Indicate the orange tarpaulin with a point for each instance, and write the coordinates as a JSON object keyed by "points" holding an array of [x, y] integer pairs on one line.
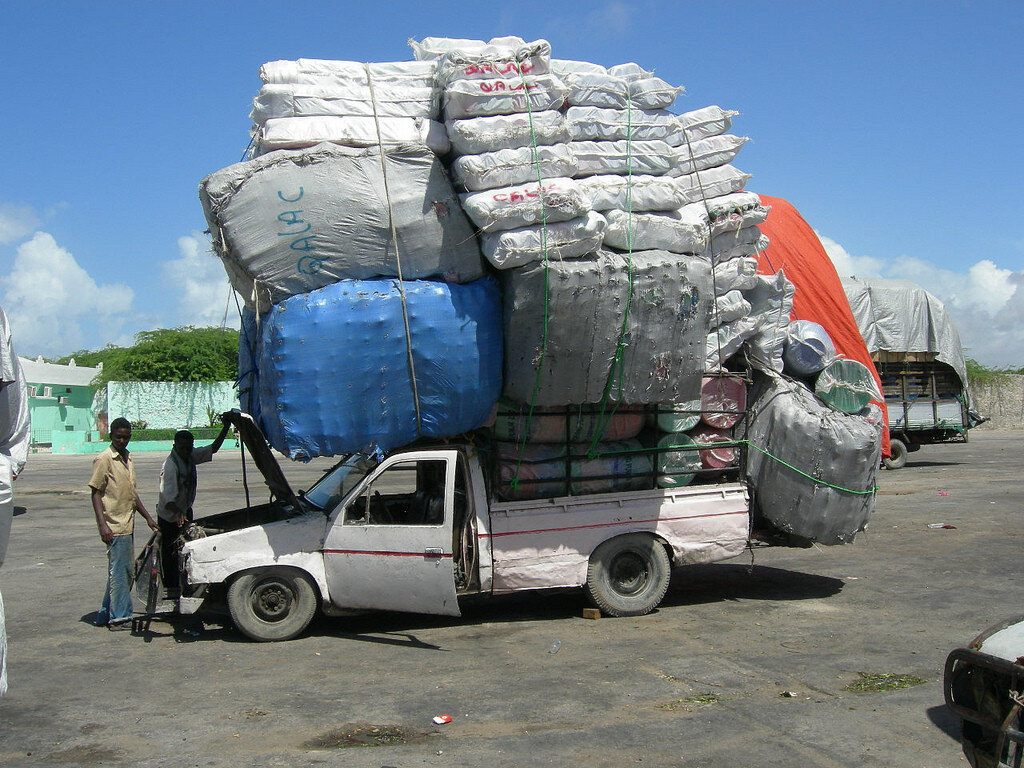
{"points": [[819, 297]]}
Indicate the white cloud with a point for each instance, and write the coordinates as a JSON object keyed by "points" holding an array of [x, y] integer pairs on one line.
{"points": [[199, 282], [847, 265], [55, 306], [985, 301], [16, 222]]}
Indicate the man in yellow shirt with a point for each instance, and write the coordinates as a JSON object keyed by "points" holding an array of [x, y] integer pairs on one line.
{"points": [[114, 502]]}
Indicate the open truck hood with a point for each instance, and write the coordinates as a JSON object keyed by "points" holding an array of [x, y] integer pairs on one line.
{"points": [[256, 444]]}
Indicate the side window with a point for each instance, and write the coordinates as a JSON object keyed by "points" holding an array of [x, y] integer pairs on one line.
{"points": [[406, 493]]}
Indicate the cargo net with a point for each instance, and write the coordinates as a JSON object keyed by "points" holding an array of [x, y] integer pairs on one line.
{"points": [[588, 449]]}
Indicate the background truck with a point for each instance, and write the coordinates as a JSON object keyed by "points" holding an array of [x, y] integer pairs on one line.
{"points": [[420, 528], [916, 349]]}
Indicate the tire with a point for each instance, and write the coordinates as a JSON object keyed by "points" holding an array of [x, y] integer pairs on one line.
{"points": [[898, 460], [272, 604], [628, 575]]}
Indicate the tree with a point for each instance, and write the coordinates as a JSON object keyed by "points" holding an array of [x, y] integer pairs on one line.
{"points": [[168, 354]]}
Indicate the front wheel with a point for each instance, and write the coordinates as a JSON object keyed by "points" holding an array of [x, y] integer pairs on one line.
{"points": [[272, 604], [628, 575], [898, 454]]}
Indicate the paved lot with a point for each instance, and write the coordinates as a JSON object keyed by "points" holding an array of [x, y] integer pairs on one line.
{"points": [[699, 683]]}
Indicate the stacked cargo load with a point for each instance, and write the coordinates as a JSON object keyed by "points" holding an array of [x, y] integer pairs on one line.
{"points": [[415, 240]]}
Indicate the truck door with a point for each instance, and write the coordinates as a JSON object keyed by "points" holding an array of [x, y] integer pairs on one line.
{"points": [[390, 546]]}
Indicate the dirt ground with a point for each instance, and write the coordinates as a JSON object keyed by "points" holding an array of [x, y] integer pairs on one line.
{"points": [[747, 663]]}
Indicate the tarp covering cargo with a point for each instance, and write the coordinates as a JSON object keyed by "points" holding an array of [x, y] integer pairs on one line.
{"points": [[839, 453], [567, 322], [333, 372], [900, 316], [795, 248], [293, 221]]}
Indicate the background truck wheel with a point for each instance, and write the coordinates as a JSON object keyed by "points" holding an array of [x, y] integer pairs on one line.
{"points": [[628, 575], [898, 460], [274, 604]]}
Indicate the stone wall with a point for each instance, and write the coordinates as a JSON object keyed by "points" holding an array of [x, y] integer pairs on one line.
{"points": [[1001, 399]]}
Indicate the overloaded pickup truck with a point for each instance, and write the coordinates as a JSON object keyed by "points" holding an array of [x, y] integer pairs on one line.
{"points": [[420, 528]]}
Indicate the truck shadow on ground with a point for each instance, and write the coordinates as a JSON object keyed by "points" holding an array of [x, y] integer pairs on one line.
{"points": [[691, 585]]}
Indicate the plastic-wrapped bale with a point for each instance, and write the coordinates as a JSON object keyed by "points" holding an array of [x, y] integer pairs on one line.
{"points": [[847, 386], [599, 124], [412, 74], [382, 99], [480, 98], [574, 424], [539, 471], [477, 135], [631, 193], [510, 248], [841, 453], [682, 231], [808, 349], [332, 373], [524, 205], [566, 322], [595, 158], [697, 188], [505, 167], [707, 121], [291, 222], [506, 57], [735, 244], [348, 131], [702, 154]]}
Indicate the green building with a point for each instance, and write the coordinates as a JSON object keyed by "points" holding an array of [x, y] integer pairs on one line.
{"points": [[60, 398]]}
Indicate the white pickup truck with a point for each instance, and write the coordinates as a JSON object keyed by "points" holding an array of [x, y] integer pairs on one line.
{"points": [[419, 529]]}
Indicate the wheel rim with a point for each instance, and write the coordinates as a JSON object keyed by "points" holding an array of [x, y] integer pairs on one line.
{"points": [[629, 574], [272, 600]]}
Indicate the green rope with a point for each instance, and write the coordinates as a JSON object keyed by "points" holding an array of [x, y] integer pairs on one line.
{"points": [[617, 370], [514, 483], [704, 446]]}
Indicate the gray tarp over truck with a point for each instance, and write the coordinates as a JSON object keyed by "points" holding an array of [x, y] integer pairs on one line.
{"points": [[917, 351]]}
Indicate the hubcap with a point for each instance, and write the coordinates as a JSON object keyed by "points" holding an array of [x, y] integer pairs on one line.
{"points": [[272, 600], [629, 574]]}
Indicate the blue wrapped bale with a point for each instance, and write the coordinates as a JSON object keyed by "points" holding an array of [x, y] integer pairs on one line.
{"points": [[331, 372]]}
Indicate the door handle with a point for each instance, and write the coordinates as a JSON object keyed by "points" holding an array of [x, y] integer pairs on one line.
{"points": [[433, 552]]}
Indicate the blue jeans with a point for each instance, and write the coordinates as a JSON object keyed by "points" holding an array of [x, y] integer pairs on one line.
{"points": [[117, 600]]}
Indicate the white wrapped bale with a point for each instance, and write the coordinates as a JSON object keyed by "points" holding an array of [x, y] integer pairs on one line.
{"points": [[736, 274], [598, 158], [579, 307], [635, 193], [476, 135], [561, 240], [565, 67], [714, 151], [730, 306], [652, 93], [713, 182], [505, 58], [291, 222], [735, 211], [597, 89], [708, 121], [348, 131], [526, 204], [630, 72], [598, 124], [276, 100], [737, 243], [841, 454], [771, 302], [505, 167], [479, 98], [683, 231], [350, 73]]}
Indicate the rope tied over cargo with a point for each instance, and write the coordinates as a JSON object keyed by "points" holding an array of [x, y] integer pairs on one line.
{"points": [[398, 255], [535, 155], [617, 369]]}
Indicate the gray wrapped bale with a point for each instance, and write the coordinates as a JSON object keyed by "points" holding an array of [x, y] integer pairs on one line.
{"points": [[563, 323], [840, 452], [294, 221]]}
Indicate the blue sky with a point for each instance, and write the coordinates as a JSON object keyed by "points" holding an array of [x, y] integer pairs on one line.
{"points": [[893, 127]]}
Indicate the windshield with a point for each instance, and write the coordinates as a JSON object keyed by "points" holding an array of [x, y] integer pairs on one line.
{"points": [[333, 486]]}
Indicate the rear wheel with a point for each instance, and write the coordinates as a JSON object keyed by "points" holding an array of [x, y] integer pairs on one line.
{"points": [[898, 457], [272, 604], [628, 575]]}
